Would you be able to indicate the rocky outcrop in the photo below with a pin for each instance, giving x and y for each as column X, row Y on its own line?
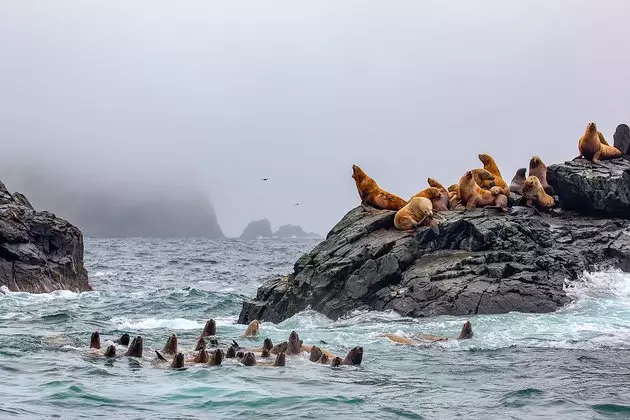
column 39, row 252
column 290, row 231
column 257, row 229
column 622, row 138
column 597, row 189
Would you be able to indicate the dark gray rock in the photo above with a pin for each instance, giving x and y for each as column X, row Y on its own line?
column 622, row 138
column 598, row 189
column 290, row 231
column 39, row 252
column 481, row 262
column 257, row 229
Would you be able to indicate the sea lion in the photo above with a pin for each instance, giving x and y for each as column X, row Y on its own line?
column 267, row 344
column 324, row 360
column 135, row 348
column 534, row 194
column 439, row 204
column 280, row 360
column 265, row 353
column 316, row 354
column 418, row 212
column 110, row 351
column 483, row 178
column 500, row 200
column 248, row 359
column 516, row 186
column 230, row 353
column 420, row 339
column 354, row 356
column 217, row 358
column 252, row 329
column 170, row 347
column 373, row 195
column 202, row 356
column 295, row 344
column 280, row 348
column 178, row 361
column 210, row 329
column 431, row 193
column 336, row 362
column 123, row 340
column 472, row 195
column 201, row 344
column 491, row 166
column 95, row 340
column 538, row 169
column 591, row 147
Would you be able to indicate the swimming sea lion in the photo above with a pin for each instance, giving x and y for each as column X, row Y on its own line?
column 210, row 329
column 230, row 353
column 123, row 340
column 538, row 169
column 336, row 362
column 324, row 359
column 252, row 329
column 316, row 354
column 491, row 166
column 171, row 345
column 420, row 339
column 201, row 344
column 373, row 195
column 217, row 358
column 178, row 361
column 95, row 340
column 417, row 212
column 135, row 348
column 280, row 360
column 591, row 147
column 240, row 354
column 516, row 186
column 279, row 348
column 534, row 194
column 267, row 344
column 265, row 353
column 472, row 195
column 295, row 344
column 354, row 357
column 201, row 357
column 248, row 359
column 466, row 332
column 110, row 351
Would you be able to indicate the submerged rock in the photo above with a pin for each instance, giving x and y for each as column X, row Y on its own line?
column 481, row 261
column 39, row 252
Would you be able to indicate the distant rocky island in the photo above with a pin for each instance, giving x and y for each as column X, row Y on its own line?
column 262, row 229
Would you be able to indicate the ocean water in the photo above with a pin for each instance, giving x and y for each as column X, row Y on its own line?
column 574, row 363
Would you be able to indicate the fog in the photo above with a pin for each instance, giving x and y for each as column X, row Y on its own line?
column 207, row 97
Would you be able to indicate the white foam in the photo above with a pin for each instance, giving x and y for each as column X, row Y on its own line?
column 103, row 273
column 154, row 323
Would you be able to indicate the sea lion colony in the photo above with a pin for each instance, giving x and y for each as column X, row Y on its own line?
column 478, row 187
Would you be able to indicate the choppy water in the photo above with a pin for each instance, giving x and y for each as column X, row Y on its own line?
column 571, row 364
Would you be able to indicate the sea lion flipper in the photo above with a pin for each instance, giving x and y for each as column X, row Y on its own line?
column 159, row 356
column 235, row 344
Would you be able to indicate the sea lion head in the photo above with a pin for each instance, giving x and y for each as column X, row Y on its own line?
column 316, row 354
column 123, row 340
column 520, row 173
column 203, row 356
column 591, row 127
column 267, row 344
column 95, row 340
column 421, row 207
column 217, row 357
column 110, row 351
column 281, row 360
column 354, row 357
column 324, row 359
column 435, row 184
column 295, row 345
column 357, row 172
column 432, row 193
column 466, row 332
column 240, row 354
column 210, row 328
column 485, row 158
column 534, row 162
column 336, row 362
column 453, row 188
column 496, row 191
column 230, row 353
column 178, row 361
column 249, row 359
column 135, row 348
column 265, row 353
column 171, row 345
column 201, row 344
column 531, row 184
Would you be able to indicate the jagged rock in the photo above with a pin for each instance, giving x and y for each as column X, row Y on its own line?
column 257, row 229
column 622, row 138
column 481, row 262
column 600, row 189
column 289, row 231
column 39, row 252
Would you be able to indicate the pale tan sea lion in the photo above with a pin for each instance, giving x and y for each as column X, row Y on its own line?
column 417, row 212
column 538, row 169
column 252, row 329
column 422, row 339
column 535, row 195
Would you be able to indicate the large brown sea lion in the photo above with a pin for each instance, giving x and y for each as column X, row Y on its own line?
column 95, row 340
column 472, row 195
column 354, row 357
column 295, row 344
column 373, row 195
column 516, row 186
column 491, row 166
column 135, row 348
column 171, row 345
column 538, row 169
column 439, row 204
column 123, row 340
column 248, row 359
column 210, row 329
column 534, row 194
column 178, row 361
column 591, row 147
column 418, row 212
column 420, row 339
column 483, row 178
column 252, row 329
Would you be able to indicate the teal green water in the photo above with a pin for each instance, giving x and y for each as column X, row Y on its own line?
column 574, row 363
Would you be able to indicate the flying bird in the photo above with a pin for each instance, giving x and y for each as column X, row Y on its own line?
column 264, row 179
column 297, row 204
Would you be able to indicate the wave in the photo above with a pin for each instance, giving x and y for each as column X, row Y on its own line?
column 154, row 323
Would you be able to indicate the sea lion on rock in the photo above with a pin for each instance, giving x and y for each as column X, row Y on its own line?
column 431, row 193
column 439, row 204
column 248, row 359
column 483, row 178
column 210, row 329
column 95, row 340
column 491, row 166
column 538, row 169
column 534, row 194
column 417, row 212
column 110, row 351
column 135, row 348
column 373, row 195
column 472, row 195
column 591, row 147
column 178, row 361
column 354, row 357
column 123, row 340
column 516, row 186
column 170, row 347
column 622, row 139
column 252, row 329
column 217, row 358
column 500, row 200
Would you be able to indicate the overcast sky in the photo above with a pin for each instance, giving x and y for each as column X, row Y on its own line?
column 216, row 95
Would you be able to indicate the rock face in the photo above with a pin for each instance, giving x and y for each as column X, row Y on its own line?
column 38, row 251
column 289, row 231
column 481, row 261
column 602, row 189
column 257, row 229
